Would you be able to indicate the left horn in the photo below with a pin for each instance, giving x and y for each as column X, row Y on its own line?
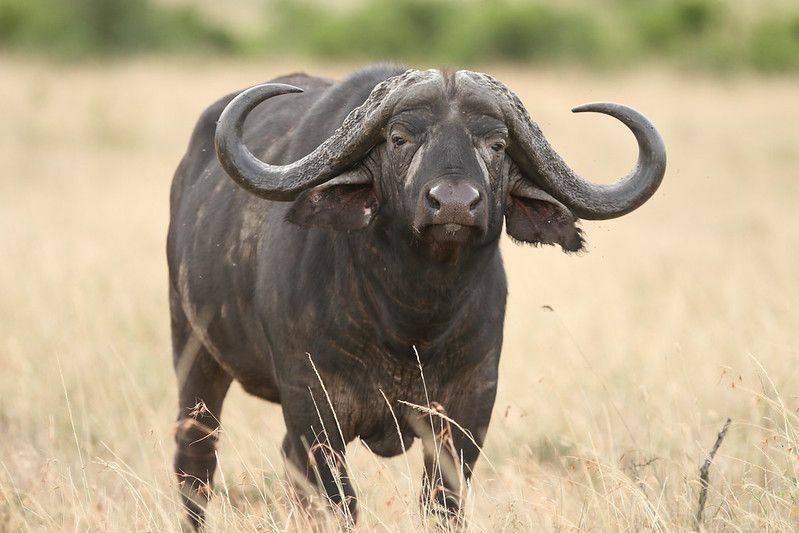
column 347, row 146
column 262, row 179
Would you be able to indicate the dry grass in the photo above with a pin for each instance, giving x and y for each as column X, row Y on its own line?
column 681, row 315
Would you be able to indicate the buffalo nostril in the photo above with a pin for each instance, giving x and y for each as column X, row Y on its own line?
column 434, row 197
column 432, row 201
column 476, row 202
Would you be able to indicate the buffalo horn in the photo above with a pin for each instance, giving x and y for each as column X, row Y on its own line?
column 344, row 149
column 540, row 163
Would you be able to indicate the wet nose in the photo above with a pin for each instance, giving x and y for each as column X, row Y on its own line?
column 454, row 202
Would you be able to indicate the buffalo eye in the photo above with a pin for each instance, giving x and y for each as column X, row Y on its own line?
column 498, row 146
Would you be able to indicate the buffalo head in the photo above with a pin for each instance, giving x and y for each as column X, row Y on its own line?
column 441, row 158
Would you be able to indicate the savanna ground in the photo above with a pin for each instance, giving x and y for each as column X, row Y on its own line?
column 619, row 368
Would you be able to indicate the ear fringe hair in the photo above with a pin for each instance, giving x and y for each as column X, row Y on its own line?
column 581, row 248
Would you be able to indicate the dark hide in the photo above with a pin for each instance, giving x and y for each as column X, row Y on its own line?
column 350, row 280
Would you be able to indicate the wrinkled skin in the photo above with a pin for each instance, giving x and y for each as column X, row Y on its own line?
column 360, row 276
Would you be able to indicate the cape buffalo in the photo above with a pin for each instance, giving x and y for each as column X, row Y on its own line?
column 351, row 265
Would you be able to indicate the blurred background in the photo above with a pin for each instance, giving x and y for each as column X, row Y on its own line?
column 762, row 35
column 620, row 365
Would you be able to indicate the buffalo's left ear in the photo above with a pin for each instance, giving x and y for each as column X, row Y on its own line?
column 535, row 217
column 347, row 202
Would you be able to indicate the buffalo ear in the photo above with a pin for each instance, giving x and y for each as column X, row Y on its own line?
column 535, row 217
column 345, row 203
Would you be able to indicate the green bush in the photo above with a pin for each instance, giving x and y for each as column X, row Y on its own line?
column 104, row 27
column 444, row 30
column 522, row 32
column 703, row 33
column 696, row 33
column 407, row 28
column 672, row 26
column 710, row 34
column 775, row 45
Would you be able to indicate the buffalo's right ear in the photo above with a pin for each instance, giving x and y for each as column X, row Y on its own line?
column 345, row 203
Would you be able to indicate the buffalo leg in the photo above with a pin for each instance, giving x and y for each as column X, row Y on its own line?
column 449, row 459
column 315, row 454
column 201, row 392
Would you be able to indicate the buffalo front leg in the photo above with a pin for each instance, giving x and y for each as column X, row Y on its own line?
column 202, row 388
column 315, row 454
column 450, row 454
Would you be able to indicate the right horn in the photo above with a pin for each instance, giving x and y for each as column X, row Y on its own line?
column 344, row 149
column 540, row 163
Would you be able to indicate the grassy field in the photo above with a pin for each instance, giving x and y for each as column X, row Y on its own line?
column 680, row 315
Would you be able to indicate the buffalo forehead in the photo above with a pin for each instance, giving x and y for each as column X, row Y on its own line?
column 471, row 95
column 426, row 92
column 447, row 94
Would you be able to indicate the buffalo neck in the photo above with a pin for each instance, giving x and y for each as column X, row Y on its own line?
column 418, row 299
